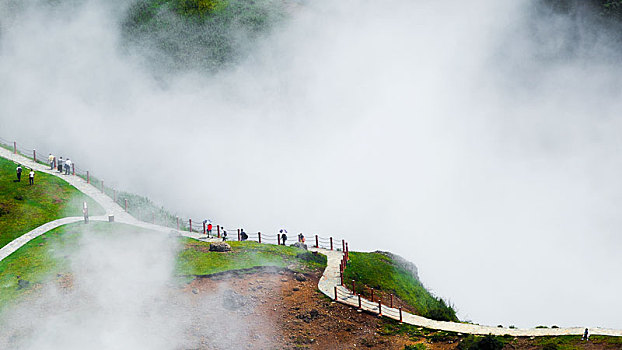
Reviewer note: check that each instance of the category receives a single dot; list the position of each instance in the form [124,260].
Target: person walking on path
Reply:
[19,172]
[586,335]
[51,161]
[209,229]
[224,234]
[283,236]
[31,177]
[243,235]
[68,166]
[60,164]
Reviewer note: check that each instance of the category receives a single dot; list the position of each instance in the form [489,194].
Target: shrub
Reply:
[488,342]
[418,346]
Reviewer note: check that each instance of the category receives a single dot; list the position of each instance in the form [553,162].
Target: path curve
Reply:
[329,280]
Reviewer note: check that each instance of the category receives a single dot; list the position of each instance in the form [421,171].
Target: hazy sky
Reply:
[478,139]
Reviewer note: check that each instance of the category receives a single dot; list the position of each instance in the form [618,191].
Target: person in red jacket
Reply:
[209,229]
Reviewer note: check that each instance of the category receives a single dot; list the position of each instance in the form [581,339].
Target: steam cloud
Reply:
[122,295]
[478,139]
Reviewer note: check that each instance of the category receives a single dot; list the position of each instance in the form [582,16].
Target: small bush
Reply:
[418,346]
[488,342]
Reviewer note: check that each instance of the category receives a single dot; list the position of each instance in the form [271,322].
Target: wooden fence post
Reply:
[190,224]
[372,295]
[14,147]
[335,293]
[73,168]
[331,243]
[218,229]
[88,178]
[34,155]
[391,300]
[343,245]
[126,205]
[259,235]
[379,308]
[400,313]
[239,238]
[317,245]
[204,228]
[278,239]
[359,301]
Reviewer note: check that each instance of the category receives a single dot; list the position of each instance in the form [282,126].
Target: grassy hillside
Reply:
[24,207]
[198,34]
[381,272]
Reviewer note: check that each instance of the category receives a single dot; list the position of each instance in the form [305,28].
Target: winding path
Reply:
[328,282]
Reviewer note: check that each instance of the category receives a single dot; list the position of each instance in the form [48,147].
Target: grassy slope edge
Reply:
[24,207]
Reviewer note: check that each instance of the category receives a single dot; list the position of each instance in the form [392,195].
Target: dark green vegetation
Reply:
[379,271]
[607,9]
[195,260]
[24,207]
[41,261]
[424,336]
[206,35]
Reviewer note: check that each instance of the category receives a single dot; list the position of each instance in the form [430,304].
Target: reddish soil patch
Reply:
[301,317]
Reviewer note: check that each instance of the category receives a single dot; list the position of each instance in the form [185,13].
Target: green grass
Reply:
[39,261]
[194,260]
[378,271]
[24,207]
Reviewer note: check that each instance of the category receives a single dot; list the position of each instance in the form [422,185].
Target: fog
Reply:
[120,293]
[477,139]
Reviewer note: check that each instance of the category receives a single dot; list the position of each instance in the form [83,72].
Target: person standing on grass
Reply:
[51,161]
[31,177]
[209,228]
[68,166]
[60,164]
[19,173]
[586,335]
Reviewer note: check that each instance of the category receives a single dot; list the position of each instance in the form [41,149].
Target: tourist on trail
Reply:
[224,234]
[60,164]
[209,229]
[68,166]
[301,238]
[51,161]
[586,335]
[243,235]
[19,172]
[283,238]
[31,177]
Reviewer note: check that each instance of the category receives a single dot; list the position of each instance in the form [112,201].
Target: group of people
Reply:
[63,165]
[31,175]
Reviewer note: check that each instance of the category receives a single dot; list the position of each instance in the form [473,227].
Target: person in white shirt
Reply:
[68,166]
[51,161]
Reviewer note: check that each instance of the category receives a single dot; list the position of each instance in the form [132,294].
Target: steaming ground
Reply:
[479,139]
[120,294]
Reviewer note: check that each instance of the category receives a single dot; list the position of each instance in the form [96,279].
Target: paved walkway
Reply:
[329,280]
